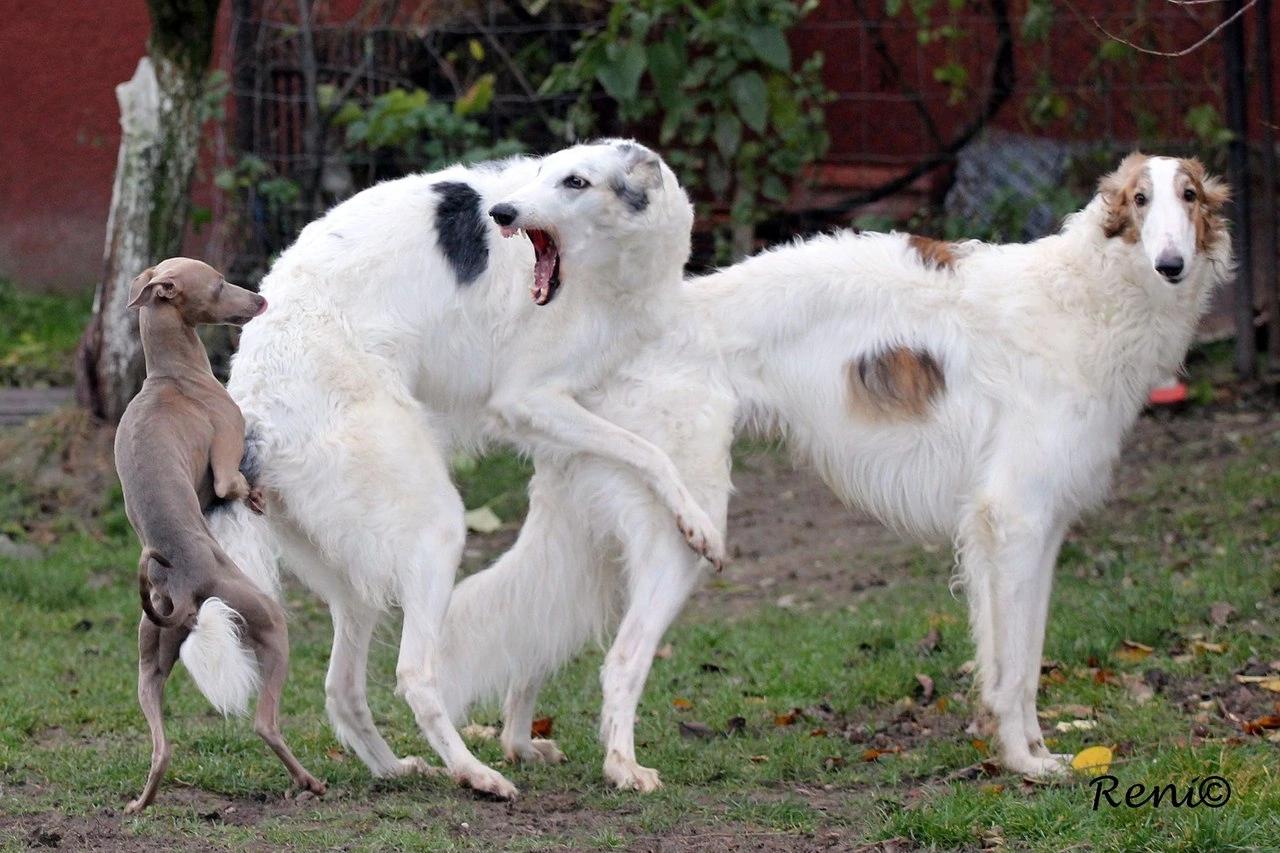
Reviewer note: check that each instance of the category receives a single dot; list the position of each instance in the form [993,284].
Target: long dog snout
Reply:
[1170,265]
[503,214]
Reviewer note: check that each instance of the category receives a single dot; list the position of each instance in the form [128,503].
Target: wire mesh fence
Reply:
[985,116]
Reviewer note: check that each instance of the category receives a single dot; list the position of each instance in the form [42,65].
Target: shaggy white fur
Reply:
[1024,366]
[402,327]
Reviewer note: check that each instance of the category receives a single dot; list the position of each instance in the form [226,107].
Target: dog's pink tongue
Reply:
[544,266]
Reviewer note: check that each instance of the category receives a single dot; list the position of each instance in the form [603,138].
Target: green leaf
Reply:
[665,68]
[770,45]
[774,189]
[477,98]
[728,134]
[620,73]
[750,96]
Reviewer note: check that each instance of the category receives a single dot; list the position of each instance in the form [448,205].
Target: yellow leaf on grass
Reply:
[681,704]
[1132,652]
[483,520]
[1094,760]
[1204,646]
[1272,684]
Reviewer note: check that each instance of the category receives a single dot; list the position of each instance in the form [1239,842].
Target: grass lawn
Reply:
[797,721]
[38,334]
[814,696]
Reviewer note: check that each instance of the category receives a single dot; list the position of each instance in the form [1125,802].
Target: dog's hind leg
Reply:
[344,687]
[157,653]
[662,575]
[273,661]
[426,582]
[518,742]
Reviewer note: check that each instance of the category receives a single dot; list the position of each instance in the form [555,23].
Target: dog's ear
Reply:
[147,287]
[642,166]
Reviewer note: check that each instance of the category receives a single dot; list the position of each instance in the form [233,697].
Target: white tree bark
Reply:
[159,143]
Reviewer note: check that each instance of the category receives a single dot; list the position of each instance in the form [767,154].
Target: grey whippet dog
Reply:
[178,451]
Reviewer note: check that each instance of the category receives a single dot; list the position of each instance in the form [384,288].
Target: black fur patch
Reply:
[635,199]
[461,230]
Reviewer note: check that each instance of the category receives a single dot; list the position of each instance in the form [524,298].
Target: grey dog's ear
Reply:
[643,167]
[146,286]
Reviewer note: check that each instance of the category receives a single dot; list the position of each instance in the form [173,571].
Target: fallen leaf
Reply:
[664,652]
[787,719]
[482,520]
[1093,760]
[542,727]
[992,788]
[967,667]
[476,731]
[335,754]
[1137,687]
[1205,646]
[981,745]
[1220,613]
[929,644]
[942,704]
[759,759]
[1076,725]
[833,762]
[1132,652]
[681,704]
[736,725]
[926,687]
[1264,723]
[754,700]
[693,729]
[818,733]
[1105,676]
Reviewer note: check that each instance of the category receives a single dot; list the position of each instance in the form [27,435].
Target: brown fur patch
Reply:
[899,383]
[1123,218]
[934,254]
[1212,194]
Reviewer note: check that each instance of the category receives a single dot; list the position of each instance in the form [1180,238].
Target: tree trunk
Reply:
[160,118]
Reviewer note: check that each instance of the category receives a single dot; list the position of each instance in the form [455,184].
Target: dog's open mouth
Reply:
[546,262]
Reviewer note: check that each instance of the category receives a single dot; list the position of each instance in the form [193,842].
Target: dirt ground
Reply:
[792,543]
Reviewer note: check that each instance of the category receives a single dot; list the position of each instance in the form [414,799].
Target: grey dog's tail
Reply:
[179,612]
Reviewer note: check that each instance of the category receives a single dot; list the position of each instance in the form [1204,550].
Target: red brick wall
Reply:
[59,130]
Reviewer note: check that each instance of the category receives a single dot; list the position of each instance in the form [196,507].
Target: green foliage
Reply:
[38,336]
[431,134]
[254,173]
[1205,122]
[736,119]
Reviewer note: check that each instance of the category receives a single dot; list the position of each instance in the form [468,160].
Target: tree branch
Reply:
[1000,89]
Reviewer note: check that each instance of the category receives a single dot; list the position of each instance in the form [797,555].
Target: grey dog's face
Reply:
[197,291]
[581,197]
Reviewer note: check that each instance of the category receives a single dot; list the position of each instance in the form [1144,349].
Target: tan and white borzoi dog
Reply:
[971,392]
[402,326]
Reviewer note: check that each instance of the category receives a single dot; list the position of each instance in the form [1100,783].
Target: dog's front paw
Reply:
[486,780]
[703,537]
[135,806]
[627,775]
[256,502]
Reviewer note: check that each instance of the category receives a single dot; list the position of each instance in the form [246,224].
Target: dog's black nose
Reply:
[503,214]
[1169,265]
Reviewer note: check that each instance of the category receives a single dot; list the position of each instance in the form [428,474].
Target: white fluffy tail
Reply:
[220,664]
[531,611]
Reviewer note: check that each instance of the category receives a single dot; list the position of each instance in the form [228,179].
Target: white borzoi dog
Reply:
[401,326]
[971,392]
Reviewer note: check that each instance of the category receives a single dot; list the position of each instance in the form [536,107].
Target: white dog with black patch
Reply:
[401,326]
[966,392]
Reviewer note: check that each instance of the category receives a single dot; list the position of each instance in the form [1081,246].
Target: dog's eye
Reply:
[574,182]
[1188,194]
[1139,199]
